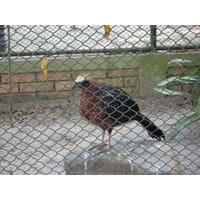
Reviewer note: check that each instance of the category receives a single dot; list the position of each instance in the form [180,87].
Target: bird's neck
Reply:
[92,89]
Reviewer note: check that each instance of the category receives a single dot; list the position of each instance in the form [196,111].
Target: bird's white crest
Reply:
[80,79]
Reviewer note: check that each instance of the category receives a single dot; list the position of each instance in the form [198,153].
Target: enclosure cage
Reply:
[41,129]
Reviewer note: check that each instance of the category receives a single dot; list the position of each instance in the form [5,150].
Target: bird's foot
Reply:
[101,146]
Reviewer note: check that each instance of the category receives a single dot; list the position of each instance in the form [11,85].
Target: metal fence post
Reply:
[2,39]
[153,37]
[10,78]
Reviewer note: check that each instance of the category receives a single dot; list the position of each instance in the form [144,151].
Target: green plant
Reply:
[186,120]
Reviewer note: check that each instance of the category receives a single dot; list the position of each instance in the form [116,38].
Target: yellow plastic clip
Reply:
[44,66]
[107,31]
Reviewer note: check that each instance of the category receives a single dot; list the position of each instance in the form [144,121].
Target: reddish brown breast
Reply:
[90,108]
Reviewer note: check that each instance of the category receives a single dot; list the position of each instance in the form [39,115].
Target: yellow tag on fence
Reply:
[107,31]
[44,66]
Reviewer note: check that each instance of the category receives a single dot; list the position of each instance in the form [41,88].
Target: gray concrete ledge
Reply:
[141,157]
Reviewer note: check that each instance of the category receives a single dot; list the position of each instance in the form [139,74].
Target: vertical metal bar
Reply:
[10,79]
[153,37]
[2,39]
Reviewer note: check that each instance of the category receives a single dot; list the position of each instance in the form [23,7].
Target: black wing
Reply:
[117,104]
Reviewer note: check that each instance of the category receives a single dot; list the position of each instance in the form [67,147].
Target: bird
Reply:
[107,106]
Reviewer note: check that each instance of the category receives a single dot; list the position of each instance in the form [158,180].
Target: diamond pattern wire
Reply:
[42,131]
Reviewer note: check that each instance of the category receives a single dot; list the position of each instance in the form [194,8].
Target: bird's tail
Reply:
[152,129]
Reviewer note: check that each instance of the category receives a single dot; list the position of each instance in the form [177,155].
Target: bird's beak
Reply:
[74,85]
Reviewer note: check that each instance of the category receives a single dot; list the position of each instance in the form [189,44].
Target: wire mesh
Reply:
[42,128]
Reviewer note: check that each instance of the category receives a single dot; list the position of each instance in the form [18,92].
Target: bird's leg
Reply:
[109,137]
[109,140]
[102,144]
[103,136]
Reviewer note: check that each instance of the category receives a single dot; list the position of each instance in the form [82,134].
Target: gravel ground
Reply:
[43,135]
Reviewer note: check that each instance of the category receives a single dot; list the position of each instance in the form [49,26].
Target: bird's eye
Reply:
[85,83]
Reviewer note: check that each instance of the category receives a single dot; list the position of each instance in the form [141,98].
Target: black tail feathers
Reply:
[152,129]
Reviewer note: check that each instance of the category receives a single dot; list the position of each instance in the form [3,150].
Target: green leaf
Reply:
[194,78]
[184,121]
[171,92]
[197,108]
[185,80]
[167,81]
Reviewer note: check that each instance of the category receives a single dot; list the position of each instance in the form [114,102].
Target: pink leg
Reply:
[103,136]
[109,137]
[102,145]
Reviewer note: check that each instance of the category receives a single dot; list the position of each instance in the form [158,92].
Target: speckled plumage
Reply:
[106,107]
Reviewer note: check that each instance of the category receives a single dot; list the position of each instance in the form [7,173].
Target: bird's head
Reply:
[81,82]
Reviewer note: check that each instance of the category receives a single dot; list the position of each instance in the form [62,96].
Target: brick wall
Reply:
[128,79]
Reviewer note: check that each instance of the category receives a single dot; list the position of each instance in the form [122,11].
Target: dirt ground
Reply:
[45,133]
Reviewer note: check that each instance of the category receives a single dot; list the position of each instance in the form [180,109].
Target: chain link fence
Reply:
[42,131]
